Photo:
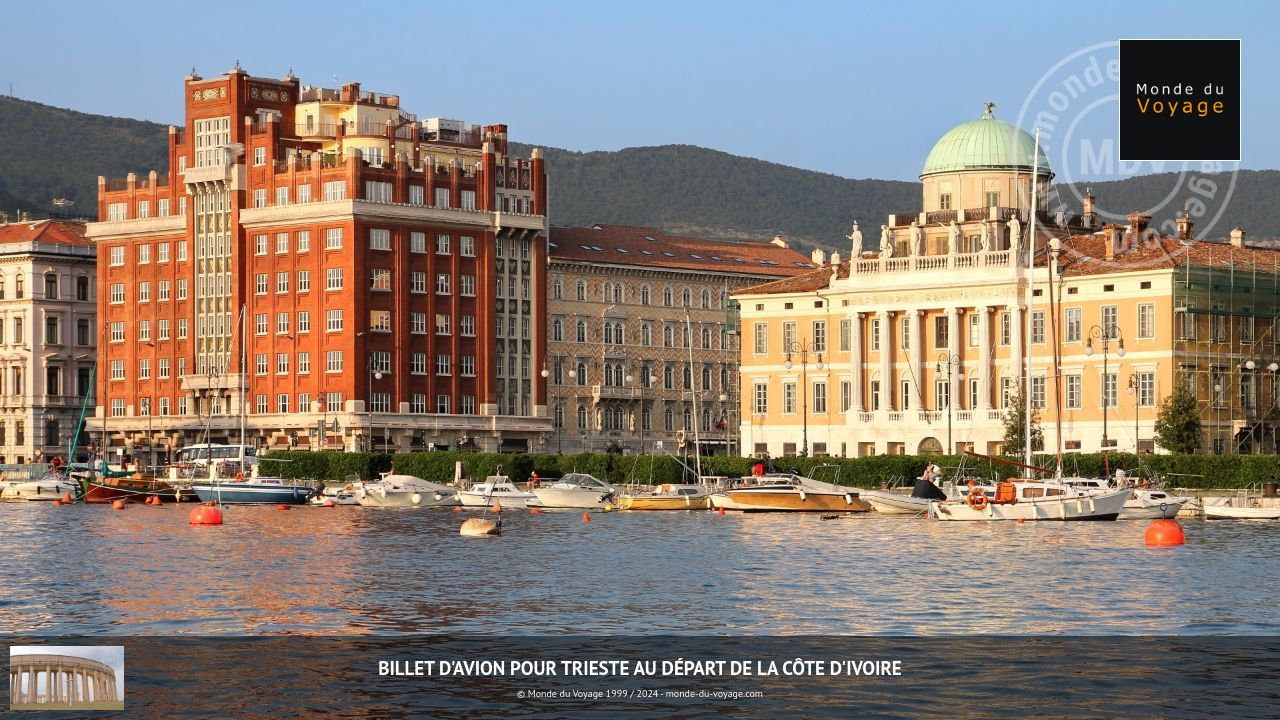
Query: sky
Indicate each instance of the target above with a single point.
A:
(851, 88)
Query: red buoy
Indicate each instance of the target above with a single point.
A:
(205, 515)
(457, 508)
(1164, 533)
(535, 511)
(282, 506)
(66, 498)
(328, 502)
(117, 505)
(586, 517)
(720, 510)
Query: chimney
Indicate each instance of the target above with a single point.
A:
(1237, 237)
(1185, 225)
(780, 241)
(818, 256)
(1138, 222)
(1114, 236)
(351, 92)
(1089, 217)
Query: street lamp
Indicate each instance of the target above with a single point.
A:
(375, 373)
(803, 349)
(1106, 333)
(953, 370)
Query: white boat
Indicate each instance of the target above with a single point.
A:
(49, 487)
(1243, 506)
(889, 502)
(788, 492)
(497, 489)
(339, 494)
(405, 491)
(1144, 503)
(1023, 500)
(576, 490)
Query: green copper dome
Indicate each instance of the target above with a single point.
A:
(984, 144)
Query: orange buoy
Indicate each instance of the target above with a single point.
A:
(282, 506)
(66, 498)
(720, 510)
(497, 506)
(55, 503)
(535, 511)
(117, 505)
(328, 502)
(205, 515)
(586, 517)
(457, 508)
(1164, 533)
(1021, 520)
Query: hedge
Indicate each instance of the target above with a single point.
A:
(1189, 471)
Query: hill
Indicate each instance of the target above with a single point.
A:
(682, 189)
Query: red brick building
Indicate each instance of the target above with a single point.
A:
(334, 258)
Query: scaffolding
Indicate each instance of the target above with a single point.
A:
(1227, 348)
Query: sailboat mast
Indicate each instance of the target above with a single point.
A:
(697, 444)
(244, 381)
(1031, 265)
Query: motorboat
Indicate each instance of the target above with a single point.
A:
(404, 491)
(789, 492)
(668, 496)
(497, 489)
(575, 490)
(1031, 500)
(339, 494)
(1245, 505)
(253, 490)
(1146, 502)
(49, 487)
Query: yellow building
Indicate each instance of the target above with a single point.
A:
(918, 343)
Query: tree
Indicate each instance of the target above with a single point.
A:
(1178, 422)
(1015, 427)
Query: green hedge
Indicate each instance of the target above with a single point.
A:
(1191, 471)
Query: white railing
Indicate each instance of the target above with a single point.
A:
(958, 261)
(895, 416)
(866, 417)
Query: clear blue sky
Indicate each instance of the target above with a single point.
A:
(855, 89)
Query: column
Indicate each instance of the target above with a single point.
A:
(76, 691)
(31, 684)
(984, 359)
(914, 353)
(48, 683)
(856, 362)
(956, 388)
(886, 361)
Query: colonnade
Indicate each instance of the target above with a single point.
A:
(62, 679)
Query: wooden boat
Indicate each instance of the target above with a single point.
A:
(133, 488)
(668, 497)
(788, 492)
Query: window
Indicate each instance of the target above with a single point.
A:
(259, 156)
(117, 407)
(333, 279)
(905, 394)
(144, 369)
(443, 365)
(162, 208)
(117, 371)
(467, 246)
(1109, 390)
(941, 394)
(418, 363)
(819, 397)
(904, 328)
(819, 336)
(84, 334)
(82, 288)
(53, 330)
(992, 199)
(788, 335)
(182, 248)
(117, 332)
(788, 398)
(1146, 389)
(260, 198)
(467, 325)
(51, 286)
(374, 191)
(443, 284)
(443, 324)
(467, 285)
(117, 212)
(182, 289)
(282, 282)
(417, 282)
(304, 281)
(944, 201)
(1037, 326)
(1006, 328)
(282, 323)
(333, 239)
(468, 200)
(144, 330)
(304, 363)
(875, 333)
(260, 324)
(163, 368)
(442, 403)
(379, 279)
(333, 361)
(1037, 393)
(260, 284)
(163, 333)
(282, 243)
(418, 323)
(1071, 333)
(875, 394)
(761, 338)
(260, 364)
(334, 190)
(379, 239)
(442, 244)
(282, 195)
(163, 291)
(941, 332)
(442, 198)
(304, 321)
(116, 256)
(333, 320)
(380, 320)
(1146, 321)
(846, 334)
(467, 365)
(1110, 313)
(182, 328)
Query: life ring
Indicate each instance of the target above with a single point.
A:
(240, 476)
(977, 499)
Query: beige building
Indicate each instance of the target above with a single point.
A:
(48, 337)
(642, 338)
(919, 342)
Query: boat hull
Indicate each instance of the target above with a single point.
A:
(35, 490)
(683, 502)
(765, 500)
(1145, 509)
(403, 499)
(250, 494)
(507, 500)
(1227, 512)
(552, 497)
(134, 490)
(887, 503)
(1103, 506)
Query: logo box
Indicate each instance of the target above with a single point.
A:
(1180, 100)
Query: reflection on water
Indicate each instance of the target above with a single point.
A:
(82, 569)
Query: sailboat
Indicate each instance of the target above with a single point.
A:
(1028, 499)
(253, 489)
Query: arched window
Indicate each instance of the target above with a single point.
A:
(688, 377)
(667, 296)
(724, 298)
(557, 288)
(706, 338)
(558, 417)
(608, 332)
(706, 299)
(668, 419)
(646, 419)
(608, 374)
(688, 420)
(557, 330)
(582, 417)
(686, 297)
(646, 334)
(582, 372)
(581, 289)
(668, 336)
(582, 331)
(668, 378)
(645, 374)
(608, 292)
(644, 295)
(706, 377)
(51, 286)
(619, 297)
(706, 419)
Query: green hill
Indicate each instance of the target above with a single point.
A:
(51, 152)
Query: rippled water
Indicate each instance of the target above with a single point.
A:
(84, 569)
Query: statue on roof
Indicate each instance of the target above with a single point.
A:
(886, 242)
(953, 238)
(987, 107)
(984, 240)
(917, 240)
(1015, 233)
(856, 237)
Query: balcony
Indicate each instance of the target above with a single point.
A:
(920, 263)
(613, 392)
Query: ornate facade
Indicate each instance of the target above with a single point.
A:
(642, 338)
(364, 278)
